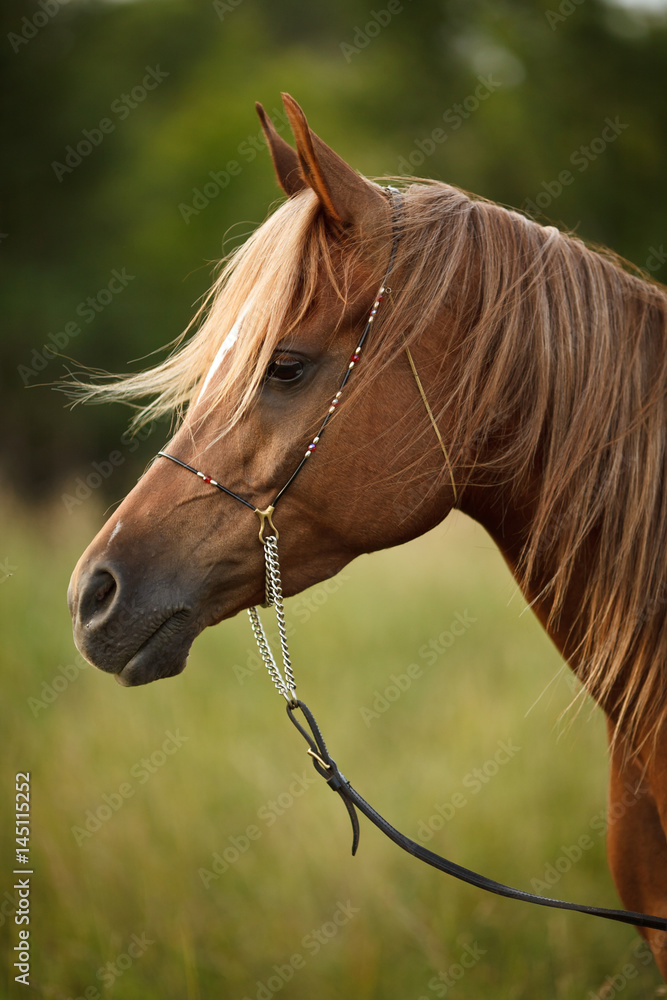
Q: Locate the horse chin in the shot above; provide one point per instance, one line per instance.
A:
(163, 654)
(143, 668)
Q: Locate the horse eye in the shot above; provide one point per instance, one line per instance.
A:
(285, 369)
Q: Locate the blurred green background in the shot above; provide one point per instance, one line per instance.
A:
(132, 158)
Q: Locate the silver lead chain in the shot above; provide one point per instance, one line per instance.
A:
(286, 686)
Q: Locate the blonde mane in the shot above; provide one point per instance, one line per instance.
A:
(559, 375)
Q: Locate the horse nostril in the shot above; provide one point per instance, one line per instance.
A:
(105, 589)
(96, 594)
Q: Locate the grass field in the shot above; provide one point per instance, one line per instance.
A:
(182, 849)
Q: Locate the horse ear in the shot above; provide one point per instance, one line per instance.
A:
(285, 159)
(346, 197)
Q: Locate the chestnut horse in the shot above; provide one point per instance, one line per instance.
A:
(544, 370)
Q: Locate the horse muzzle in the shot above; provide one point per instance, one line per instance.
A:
(120, 631)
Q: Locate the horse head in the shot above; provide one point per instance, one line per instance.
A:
(280, 334)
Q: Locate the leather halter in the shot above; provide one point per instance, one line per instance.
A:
(323, 763)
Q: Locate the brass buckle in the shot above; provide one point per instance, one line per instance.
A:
(319, 760)
(264, 518)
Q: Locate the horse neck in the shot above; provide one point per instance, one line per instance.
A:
(507, 515)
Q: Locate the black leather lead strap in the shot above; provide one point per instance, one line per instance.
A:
(326, 766)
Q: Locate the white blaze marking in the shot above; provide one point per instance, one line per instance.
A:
(114, 532)
(226, 345)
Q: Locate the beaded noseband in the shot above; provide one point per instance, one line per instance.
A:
(285, 682)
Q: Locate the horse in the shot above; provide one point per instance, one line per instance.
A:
(507, 369)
